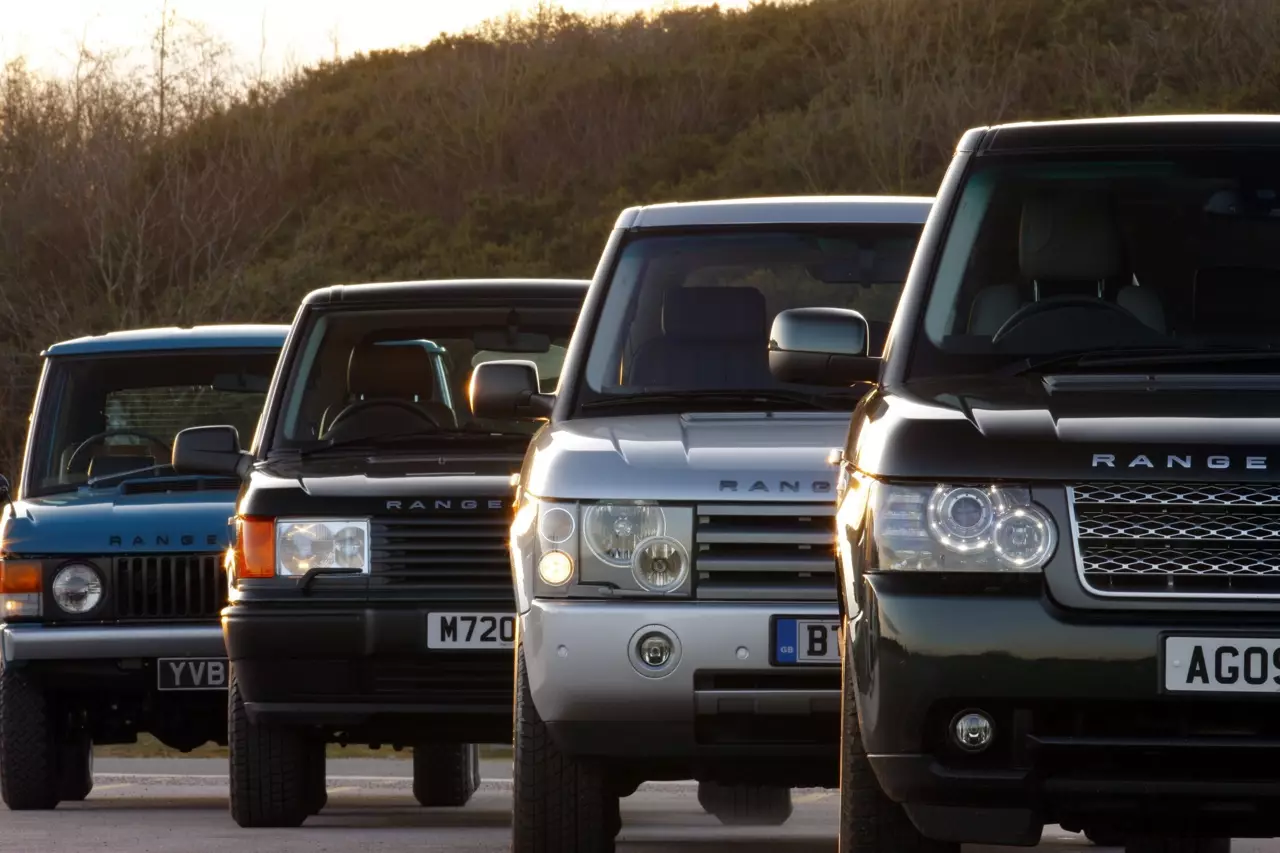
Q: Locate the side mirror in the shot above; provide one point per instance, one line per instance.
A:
(508, 389)
(6, 491)
(210, 450)
(821, 346)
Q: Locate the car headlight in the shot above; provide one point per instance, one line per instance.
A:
(613, 530)
(77, 588)
(563, 548)
(948, 528)
(306, 544)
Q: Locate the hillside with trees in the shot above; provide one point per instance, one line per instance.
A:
(189, 191)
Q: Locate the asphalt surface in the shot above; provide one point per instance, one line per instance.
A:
(180, 806)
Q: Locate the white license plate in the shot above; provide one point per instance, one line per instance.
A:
(806, 641)
(471, 631)
(191, 674)
(1221, 665)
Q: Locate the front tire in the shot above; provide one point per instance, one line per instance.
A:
(28, 746)
(870, 822)
(317, 783)
(272, 772)
(746, 805)
(75, 773)
(445, 775)
(561, 804)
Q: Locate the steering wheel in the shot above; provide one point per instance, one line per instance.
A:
(394, 402)
(99, 436)
(1035, 309)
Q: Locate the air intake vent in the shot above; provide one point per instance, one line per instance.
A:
(765, 552)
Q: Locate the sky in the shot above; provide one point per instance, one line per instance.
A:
(270, 33)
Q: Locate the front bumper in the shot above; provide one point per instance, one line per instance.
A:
(1085, 735)
(721, 698)
(22, 643)
(367, 668)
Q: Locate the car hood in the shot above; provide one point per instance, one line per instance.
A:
(1092, 426)
(764, 456)
(106, 521)
(403, 483)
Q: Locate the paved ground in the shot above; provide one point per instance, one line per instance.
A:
(180, 806)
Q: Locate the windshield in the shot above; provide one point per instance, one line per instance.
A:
(692, 312)
(1095, 254)
(107, 415)
(383, 376)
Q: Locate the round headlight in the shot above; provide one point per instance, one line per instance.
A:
(962, 517)
(348, 548)
(1023, 537)
(77, 588)
(660, 564)
(555, 568)
(614, 530)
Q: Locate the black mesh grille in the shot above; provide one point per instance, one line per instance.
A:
(446, 679)
(457, 556)
(170, 586)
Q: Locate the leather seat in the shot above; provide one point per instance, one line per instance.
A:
(712, 337)
(399, 373)
(1065, 238)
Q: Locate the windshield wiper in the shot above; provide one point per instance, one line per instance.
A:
(124, 475)
(811, 401)
(1138, 356)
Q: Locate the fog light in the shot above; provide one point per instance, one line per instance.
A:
(655, 650)
(972, 731)
(555, 568)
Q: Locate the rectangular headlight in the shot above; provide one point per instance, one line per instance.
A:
(303, 544)
(947, 527)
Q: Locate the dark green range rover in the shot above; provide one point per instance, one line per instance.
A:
(1059, 510)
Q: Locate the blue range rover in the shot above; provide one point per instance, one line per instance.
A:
(111, 565)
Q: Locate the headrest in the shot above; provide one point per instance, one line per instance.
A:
(1068, 236)
(390, 370)
(715, 314)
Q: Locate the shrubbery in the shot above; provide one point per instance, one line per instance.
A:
(188, 193)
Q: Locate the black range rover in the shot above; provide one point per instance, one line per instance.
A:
(371, 599)
(1059, 517)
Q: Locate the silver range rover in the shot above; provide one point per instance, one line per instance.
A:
(673, 547)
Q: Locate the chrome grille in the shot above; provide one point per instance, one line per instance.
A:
(765, 552)
(169, 586)
(1191, 539)
(454, 556)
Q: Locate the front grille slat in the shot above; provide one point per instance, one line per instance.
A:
(1176, 539)
(765, 552)
(169, 586)
(460, 555)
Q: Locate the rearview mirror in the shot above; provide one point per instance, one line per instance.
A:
(210, 450)
(508, 389)
(821, 346)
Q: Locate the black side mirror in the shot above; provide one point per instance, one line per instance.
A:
(210, 450)
(508, 389)
(6, 492)
(821, 346)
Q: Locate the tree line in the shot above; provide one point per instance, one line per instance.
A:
(191, 190)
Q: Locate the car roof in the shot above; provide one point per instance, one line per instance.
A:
(781, 210)
(1167, 131)
(218, 336)
(450, 289)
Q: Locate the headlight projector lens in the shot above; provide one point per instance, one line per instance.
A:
(77, 588)
(660, 564)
